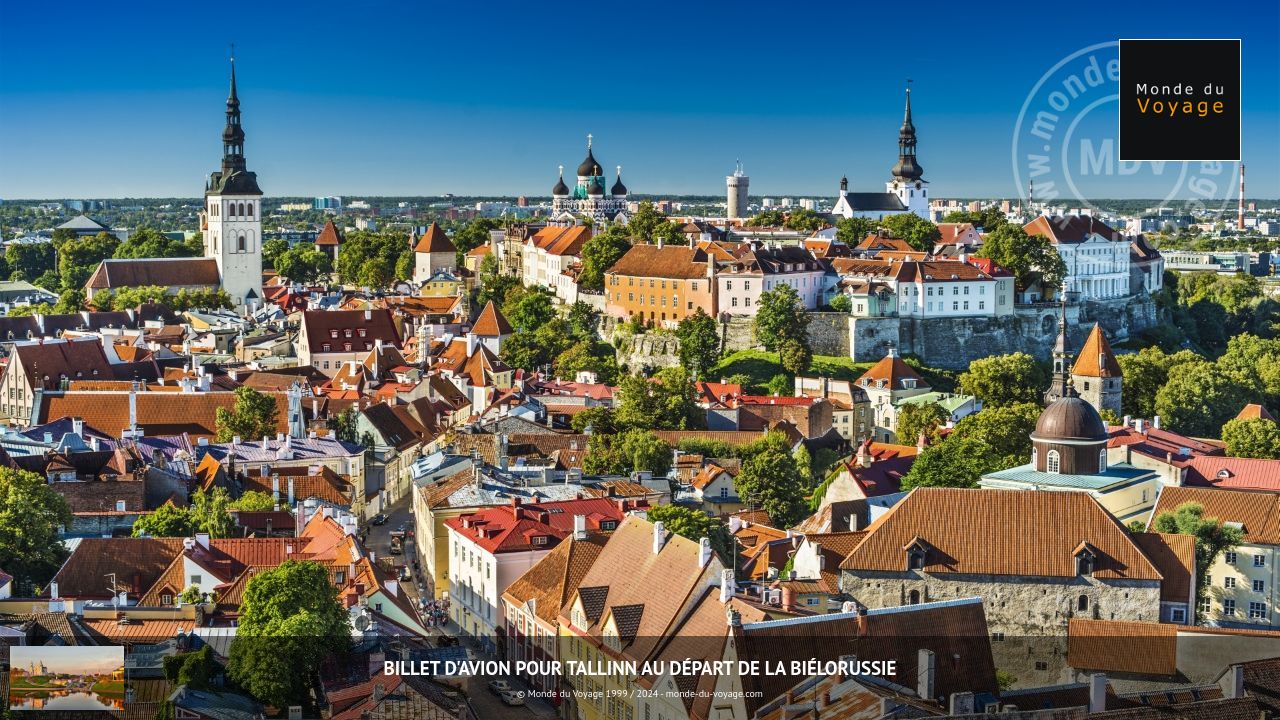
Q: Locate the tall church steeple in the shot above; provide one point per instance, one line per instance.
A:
(232, 218)
(1060, 384)
(907, 168)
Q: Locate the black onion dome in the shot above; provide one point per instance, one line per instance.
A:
(618, 187)
(596, 187)
(1070, 419)
(560, 188)
(907, 168)
(589, 166)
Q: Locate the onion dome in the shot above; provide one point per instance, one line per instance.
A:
(1070, 419)
(619, 190)
(596, 188)
(560, 190)
(588, 166)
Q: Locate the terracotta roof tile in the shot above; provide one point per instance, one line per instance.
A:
(166, 272)
(1234, 473)
(1175, 557)
(553, 579)
(1096, 358)
(1070, 228)
(434, 241)
(1257, 511)
(1022, 533)
(44, 363)
(491, 322)
(157, 413)
(557, 240)
(893, 370)
(1115, 646)
(670, 261)
(1254, 411)
(329, 235)
(361, 328)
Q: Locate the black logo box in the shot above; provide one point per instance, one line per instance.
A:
(1187, 68)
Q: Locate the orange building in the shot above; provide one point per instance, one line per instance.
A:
(661, 284)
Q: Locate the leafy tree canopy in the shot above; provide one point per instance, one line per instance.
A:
(31, 515)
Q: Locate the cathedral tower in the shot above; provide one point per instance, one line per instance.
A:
(907, 177)
(233, 214)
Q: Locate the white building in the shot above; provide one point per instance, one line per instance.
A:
(925, 288)
(757, 268)
(588, 196)
(549, 256)
(904, 192)
(1096, 256)
(232, 218)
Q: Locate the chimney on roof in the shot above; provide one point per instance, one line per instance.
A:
(202, 539)
(275, 489)
(53, 591)
(926, 674)
(393, 587)
(1155, 421)
(579, 527)
(727, 585)
(1097, 692)
(77, 426)
(1232, 682)
(379, 692)
(735, 524)
(961, 703)
(704, 552)
(659, 537)
(1140, 426)
(290, 490)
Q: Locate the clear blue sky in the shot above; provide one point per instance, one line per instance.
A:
(489, 97)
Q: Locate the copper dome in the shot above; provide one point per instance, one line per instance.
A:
(1070, 419)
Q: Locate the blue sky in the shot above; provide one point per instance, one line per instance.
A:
(488, 98)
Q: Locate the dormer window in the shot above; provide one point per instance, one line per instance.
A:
(539, 539)
(917, 554)
(333, 333)
(1086, 561)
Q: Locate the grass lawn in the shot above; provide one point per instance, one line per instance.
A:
(35, 682)
(109, 687)
(761, 366)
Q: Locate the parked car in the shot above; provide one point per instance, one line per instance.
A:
(511, 697)
(379, 519)
(499, 686)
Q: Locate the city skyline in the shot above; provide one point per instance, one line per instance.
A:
(77, 660)
(421, 107)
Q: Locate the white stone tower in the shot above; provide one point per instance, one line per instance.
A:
(233, 214)
(737, 186)
(907, 181)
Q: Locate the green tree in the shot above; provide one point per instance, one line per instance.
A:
(304, 263)
(31, 515)
(1199, 398)
(780, 317)
(642, 450)
(254, 501)
(211, 512)
(770, 481)
(699, 337)
(795, 355)
(191, 595)
(28, 261)
(343, 426)
(1004, 433)
(600, 419)
(693, 525)
(603, 456)
(988, 219)
(1005, 379)
(193, 669)
(149, 243)
(70, 301)
(475, 234)
(493, 285)
(77, 259)
(253, 416)
(600, 252)
(805, 220)
(588, 356)
(644, 222)
(664, 403)
(290, 622)
(1212, 539)
(168, 520)
(953, 462)
(272, 249)
(841, 303)
(918, 232)
(530, 310)
(917, 418)
(852, 231)
(533, 350)
(1145, 372)
(376, 273)
(1024, 255)
(1255, 438)
(29, 310)
(768, 218)
(583, 320)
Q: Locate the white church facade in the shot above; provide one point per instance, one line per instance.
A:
(906, 191)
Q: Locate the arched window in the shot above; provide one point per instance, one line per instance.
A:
(241, 213)
(1082, 603)
(1102, 460)
(1052, 462)
(914, 598)
(249, 208)
(240, 243)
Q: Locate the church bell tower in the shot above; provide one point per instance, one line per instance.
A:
(232, 217)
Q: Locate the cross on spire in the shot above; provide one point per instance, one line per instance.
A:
(588, 141)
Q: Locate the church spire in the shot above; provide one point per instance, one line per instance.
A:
(233, 133)
(1060, 385)
(907, 168)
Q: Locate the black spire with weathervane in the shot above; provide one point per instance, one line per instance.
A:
(907, 168)
(1060, 385)
(233, 178)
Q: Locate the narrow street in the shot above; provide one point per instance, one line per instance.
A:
(486, 703)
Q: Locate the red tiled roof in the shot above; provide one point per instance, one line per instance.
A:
(1069, 228)
(1258, 512)
(670, 261)
(167, 413)
(513, 528)
(45, 363)
(330, 327)
(434, 241)
(1233, 472)
(893, 370)
(1095, 358)
(1254, 411)
(557, 240)
(491, 322)
(329, 235)
(165, 272)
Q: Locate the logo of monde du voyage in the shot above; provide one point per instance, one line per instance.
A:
(1065, 143)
